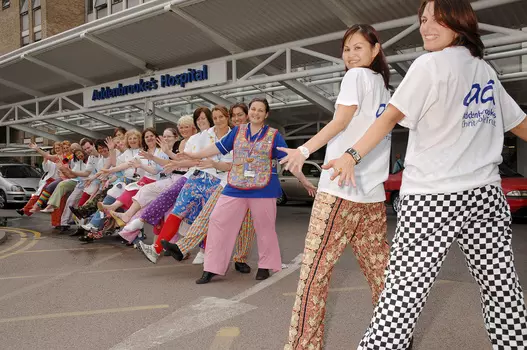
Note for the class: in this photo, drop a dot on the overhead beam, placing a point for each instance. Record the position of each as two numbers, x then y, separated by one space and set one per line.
38 132
110 121
216 100
169 117
21 88
70 76
76 129
316 99
18 154
133 60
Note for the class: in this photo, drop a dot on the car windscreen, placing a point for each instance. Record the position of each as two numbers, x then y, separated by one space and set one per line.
18 172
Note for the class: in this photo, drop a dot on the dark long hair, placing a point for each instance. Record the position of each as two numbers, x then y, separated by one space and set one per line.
379 63
143 135
459 16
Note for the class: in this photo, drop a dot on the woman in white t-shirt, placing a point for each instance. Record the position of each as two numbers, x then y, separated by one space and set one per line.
344 215
457 112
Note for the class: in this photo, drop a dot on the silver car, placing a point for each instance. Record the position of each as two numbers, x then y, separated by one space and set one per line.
17 183
292 189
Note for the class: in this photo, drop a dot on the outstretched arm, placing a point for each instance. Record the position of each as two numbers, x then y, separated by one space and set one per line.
521 129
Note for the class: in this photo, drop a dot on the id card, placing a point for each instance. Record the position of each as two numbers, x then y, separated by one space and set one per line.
247 171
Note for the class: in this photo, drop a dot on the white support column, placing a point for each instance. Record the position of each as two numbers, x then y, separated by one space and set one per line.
148 115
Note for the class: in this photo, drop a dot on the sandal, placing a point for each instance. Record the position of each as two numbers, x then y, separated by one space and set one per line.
117 217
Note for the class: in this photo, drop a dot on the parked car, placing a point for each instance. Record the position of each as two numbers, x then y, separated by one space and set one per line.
292 189
17 183
514 186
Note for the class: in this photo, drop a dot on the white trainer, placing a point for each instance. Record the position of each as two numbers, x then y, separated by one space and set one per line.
149 252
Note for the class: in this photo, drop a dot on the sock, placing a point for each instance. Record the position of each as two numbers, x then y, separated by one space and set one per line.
169 230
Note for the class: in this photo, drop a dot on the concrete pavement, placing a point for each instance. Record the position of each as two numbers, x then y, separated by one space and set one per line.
56 293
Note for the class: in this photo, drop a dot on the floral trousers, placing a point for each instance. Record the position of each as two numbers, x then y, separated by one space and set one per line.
336 223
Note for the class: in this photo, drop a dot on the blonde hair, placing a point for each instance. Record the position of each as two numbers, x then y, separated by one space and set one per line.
131 133
186 120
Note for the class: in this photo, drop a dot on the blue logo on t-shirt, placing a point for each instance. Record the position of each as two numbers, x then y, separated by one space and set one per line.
381 110
474 99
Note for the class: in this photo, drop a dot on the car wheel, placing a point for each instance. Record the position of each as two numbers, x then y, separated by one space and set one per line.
396 202
282 200
3 200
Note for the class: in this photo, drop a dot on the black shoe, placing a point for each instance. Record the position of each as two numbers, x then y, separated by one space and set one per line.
64 229
205 278
242 267
79 232
86 239
77 213
172 249
262 274
20 212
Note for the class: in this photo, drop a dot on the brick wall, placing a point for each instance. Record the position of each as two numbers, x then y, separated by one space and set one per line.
10 28
61 15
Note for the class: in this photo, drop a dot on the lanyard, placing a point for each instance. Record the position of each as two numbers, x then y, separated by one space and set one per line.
253 144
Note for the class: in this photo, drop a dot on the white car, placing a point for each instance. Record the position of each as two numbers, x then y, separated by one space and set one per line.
17 183
292 189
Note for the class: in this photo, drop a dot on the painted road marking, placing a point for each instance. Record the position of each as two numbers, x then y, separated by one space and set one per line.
56 278
99 271
224 338
201 314
36 236
66 249
187 320
352 289
23 239
83 313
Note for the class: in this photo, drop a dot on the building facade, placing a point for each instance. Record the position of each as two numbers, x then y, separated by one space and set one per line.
27 21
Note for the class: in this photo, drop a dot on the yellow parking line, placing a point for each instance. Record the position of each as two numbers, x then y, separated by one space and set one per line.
83 313
23 238
36 236
224 338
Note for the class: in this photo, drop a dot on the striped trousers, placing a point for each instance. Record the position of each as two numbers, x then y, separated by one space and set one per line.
200 226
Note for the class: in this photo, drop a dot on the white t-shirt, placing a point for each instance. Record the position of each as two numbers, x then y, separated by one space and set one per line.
159 154
125 157
457 112
209 138
365 89
201 141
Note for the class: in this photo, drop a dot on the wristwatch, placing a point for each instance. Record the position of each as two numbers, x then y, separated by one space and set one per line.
356 156
304 151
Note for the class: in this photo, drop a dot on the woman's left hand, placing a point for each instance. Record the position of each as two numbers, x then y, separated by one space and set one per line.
294 159
310 188
343 168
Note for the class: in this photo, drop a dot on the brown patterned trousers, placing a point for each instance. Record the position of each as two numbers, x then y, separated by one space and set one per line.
334 224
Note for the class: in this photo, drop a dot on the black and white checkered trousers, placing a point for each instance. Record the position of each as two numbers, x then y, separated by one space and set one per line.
479 220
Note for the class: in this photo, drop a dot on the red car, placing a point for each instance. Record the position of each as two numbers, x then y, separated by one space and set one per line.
514 186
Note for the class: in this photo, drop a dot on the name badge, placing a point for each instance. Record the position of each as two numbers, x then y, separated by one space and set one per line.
249 173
